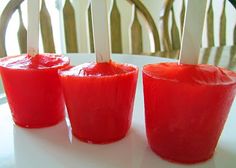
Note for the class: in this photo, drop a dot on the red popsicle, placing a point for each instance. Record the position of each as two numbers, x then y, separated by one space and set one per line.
186 107
99 99
99 96
33 88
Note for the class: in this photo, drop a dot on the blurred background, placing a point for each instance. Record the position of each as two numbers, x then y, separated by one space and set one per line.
126 10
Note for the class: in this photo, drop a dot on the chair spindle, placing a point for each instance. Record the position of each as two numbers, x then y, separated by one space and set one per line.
136 34
115 29
22 34
174 32
223 26
210 26
46 29
70 28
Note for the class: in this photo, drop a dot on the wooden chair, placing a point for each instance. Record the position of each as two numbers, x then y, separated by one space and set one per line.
167 46
216 53
70 28
212 54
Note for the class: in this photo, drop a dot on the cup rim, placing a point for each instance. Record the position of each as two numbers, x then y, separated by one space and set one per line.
230 74
65 62
133 71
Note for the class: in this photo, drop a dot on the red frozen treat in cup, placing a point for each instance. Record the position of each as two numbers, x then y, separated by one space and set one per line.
33 88
186 107
99 99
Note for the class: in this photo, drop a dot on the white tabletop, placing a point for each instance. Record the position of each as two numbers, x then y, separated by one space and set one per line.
55 147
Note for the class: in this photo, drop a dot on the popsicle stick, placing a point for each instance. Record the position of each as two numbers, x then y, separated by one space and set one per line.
100 30
33 27
192 33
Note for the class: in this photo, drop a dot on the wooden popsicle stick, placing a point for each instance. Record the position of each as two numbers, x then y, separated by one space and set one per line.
100 30
33 27
192 33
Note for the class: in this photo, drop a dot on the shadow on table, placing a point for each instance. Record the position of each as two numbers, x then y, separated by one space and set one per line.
154 161
225 157
52 147
40 147
222 158
3 98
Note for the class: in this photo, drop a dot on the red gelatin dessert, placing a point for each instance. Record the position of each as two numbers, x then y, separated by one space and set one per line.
99 99
33 88
186 107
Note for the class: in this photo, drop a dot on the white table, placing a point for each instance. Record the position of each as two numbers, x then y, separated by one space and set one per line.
55 147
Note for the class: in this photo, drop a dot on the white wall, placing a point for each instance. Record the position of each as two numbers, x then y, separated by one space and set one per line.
125 8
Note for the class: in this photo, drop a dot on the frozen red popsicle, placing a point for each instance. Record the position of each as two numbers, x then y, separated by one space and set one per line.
186 107
99 99
33 88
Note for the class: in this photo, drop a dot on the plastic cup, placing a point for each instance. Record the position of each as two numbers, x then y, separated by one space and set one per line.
33 89
99 99
186 107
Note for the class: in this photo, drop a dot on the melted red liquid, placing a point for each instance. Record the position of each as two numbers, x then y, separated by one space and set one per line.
99 99
186 107
33 89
